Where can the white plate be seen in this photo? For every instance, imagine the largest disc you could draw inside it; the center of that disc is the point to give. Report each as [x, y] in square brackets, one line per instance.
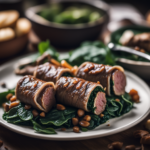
[137, 114]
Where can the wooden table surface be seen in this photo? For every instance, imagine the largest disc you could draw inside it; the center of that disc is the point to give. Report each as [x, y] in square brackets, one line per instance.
[14, 141]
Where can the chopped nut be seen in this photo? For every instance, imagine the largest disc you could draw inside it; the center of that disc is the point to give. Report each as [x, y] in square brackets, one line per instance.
[145, 139]
[42, 114]
[87, 118]
[13, 98]
[142, 50]
[101, 115]
[140, 133]
[136, 98]
[84, 123]
[133, 92]
[130, 147]
[137, 48]
[6, 107]
[115, 146]
[1, 143]
[27, 107]
[108, 125]
[75, 121]
[9, 96]
[98, 82]
[147, 124]
[14, 104]
[76, 129]
[80, 112]
[117, 100]
[35, 113]
[63, 129]
[60, 107]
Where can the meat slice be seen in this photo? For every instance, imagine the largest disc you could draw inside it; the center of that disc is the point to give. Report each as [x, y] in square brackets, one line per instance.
[50, 72]
[119, 82]
[28, 70]
[76, 92]
[102, 73]
[100, 103]
[38, 93]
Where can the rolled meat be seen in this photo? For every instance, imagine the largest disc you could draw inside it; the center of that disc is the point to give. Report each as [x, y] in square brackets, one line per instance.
[111, 77]
[38, 93]
[50, 72]
[82, 94]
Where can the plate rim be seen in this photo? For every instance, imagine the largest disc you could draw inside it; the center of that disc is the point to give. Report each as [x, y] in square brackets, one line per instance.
[80, 137]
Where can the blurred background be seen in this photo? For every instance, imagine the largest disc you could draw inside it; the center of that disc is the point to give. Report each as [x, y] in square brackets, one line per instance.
[66, 24]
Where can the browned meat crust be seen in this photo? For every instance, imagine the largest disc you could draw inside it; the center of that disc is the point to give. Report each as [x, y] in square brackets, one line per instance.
[74, 91]
[142, 40]
[50, 72]
[97, 72]
[30, 90]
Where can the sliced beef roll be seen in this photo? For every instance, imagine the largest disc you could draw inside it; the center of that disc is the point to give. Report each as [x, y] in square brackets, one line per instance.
[38, 93]
[79, 93]
[111, 77]
[50, 72]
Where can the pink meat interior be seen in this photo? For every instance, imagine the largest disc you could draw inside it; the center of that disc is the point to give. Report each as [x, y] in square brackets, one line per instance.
[119, 80]
[48, 98]
[100, 103]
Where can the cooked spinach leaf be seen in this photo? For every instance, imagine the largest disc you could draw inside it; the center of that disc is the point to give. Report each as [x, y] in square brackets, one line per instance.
[41, 129]
[57, 117]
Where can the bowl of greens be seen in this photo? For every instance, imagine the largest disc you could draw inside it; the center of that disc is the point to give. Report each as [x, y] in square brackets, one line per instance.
[136, 37]
[68, 23]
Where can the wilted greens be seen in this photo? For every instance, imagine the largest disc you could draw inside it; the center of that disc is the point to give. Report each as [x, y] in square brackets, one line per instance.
[115, 36]
[57, 119]
[95, 52]
[71, 14]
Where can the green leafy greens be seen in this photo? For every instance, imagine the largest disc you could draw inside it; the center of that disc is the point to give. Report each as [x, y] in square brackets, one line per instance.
[57, 119]
[88, 51]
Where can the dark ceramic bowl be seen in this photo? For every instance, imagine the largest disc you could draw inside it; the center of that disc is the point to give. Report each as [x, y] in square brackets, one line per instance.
[63, 35]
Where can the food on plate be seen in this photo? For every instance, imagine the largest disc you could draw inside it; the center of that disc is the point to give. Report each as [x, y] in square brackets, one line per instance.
[134, 95]
[28, 70]
[39, 94]
[50, 72]
[76, 92]
[8, 18]
[111, 77]
[135, 37]
[75, 14]
[81, 105]
[126, 37]
[23, 26]
[65, 116]
[6, 34]
[141, 40]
